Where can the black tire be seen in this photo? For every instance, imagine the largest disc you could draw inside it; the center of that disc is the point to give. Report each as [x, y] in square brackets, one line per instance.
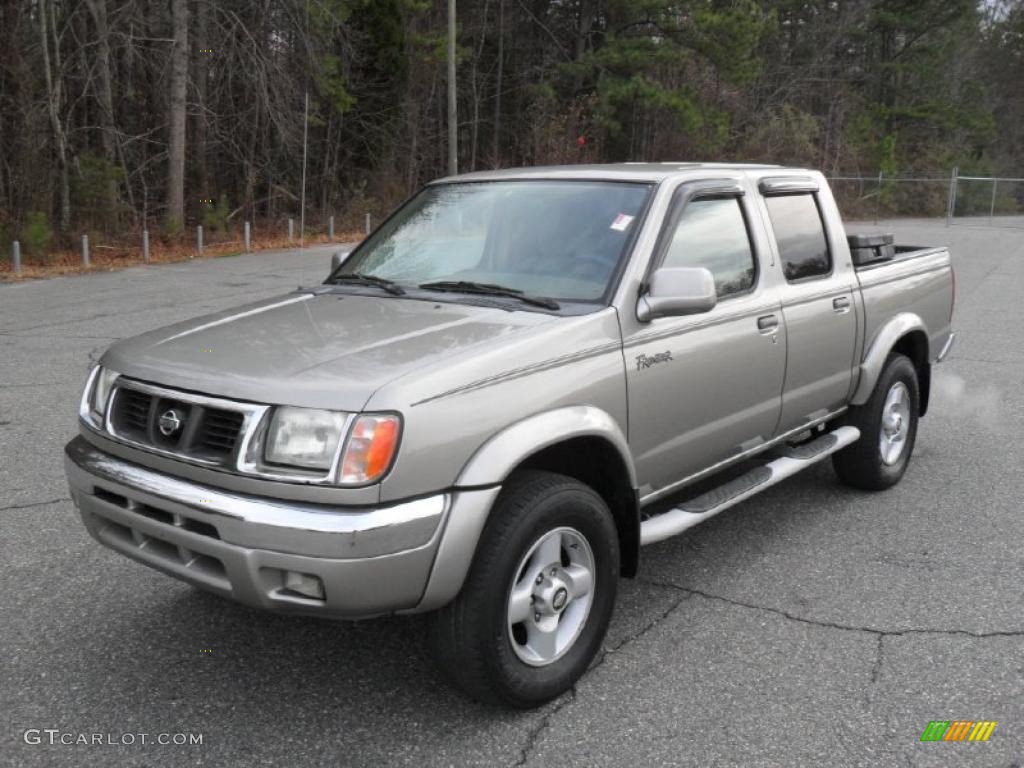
[862, 465]
[470, 637]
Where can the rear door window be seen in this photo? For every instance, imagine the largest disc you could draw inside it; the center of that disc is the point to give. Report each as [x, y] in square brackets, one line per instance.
[800, 234]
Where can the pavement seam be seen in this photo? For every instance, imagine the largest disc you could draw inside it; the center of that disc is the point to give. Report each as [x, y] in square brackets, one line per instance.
[34, 504]
[836, 625]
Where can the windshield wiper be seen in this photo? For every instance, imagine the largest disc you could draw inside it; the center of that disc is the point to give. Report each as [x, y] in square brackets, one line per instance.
[388, 285]
[489, 289]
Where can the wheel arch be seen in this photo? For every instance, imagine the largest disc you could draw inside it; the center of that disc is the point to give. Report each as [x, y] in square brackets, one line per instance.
[906, 334]
[583, 442]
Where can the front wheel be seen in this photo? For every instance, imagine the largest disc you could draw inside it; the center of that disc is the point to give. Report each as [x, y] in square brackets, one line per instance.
[888, 429]
[538, 597]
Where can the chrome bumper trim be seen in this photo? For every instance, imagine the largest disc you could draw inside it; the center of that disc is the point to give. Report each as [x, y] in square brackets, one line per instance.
[316, 530]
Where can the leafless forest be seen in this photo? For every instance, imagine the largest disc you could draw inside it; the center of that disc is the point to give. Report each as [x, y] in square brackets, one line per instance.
[171, 113]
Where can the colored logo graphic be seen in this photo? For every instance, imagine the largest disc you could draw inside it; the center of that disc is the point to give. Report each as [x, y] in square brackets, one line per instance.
[958, 730]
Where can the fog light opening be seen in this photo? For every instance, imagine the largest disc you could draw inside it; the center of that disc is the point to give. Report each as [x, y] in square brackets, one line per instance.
[305, 584]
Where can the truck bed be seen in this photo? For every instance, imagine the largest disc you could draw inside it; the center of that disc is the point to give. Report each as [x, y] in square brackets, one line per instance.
[915, 280]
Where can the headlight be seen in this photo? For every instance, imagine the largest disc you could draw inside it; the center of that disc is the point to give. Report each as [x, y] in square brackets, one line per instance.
[96, 396]
[304, 437]
[312, 439]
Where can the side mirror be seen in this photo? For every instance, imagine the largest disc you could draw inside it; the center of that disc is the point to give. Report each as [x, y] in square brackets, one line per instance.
[338, 258]
[677, 291]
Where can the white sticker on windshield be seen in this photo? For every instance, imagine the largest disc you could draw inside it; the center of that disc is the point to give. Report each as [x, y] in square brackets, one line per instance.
[621, 222]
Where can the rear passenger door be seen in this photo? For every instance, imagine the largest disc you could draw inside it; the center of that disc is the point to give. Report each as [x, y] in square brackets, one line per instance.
[817, 302]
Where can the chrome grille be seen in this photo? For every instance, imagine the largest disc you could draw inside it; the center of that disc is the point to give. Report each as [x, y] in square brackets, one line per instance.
[206, 430]
[133, 411]
[220, 429]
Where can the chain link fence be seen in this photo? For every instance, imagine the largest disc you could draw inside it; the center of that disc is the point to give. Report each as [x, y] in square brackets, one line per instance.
[960, 200]
[988, 201]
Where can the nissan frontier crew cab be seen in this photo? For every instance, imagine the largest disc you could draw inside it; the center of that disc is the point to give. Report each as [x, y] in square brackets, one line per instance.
[492, 403]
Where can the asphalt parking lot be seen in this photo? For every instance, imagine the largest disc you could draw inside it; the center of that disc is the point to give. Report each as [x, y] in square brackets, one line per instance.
[812, 625]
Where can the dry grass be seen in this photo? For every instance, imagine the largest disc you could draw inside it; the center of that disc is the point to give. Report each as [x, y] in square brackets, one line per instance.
[105, 258]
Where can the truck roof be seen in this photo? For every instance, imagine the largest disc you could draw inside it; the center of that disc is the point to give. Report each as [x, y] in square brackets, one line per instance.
[646, 172]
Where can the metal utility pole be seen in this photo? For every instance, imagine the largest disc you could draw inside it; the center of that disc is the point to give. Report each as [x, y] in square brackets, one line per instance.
[453, 125]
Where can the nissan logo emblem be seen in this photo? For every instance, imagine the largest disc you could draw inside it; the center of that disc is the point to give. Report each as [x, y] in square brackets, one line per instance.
[169, 422]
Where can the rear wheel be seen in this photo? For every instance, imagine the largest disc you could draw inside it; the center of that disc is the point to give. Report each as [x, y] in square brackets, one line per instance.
[538, 597]
[888, 429]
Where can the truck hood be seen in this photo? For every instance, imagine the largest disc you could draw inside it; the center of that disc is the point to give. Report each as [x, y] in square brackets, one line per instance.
[314, 349]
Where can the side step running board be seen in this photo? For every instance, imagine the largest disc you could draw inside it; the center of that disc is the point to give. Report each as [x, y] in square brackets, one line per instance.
[716, 500]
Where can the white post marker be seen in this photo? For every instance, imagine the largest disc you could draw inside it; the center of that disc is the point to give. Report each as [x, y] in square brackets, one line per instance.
[291, 230]
[16, 256]
[248, 237]
[367, 223]
[85, 251]
[145, 246]
[992, 207]
[199, 240]
[330, 228]
[878, 196]
[951, 202]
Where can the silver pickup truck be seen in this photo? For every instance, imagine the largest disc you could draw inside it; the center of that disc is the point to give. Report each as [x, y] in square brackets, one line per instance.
[501, 395]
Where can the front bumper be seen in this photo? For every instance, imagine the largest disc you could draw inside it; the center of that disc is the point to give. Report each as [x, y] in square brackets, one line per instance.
[256, 550]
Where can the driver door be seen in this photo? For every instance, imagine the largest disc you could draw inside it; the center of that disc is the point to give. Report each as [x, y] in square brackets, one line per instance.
[705, 387]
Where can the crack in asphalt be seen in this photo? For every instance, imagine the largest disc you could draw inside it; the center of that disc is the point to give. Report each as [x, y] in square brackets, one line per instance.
[34, 504]
[638, 634]
[534, 734]
[545, 722]
[837, 625]
[876, 668]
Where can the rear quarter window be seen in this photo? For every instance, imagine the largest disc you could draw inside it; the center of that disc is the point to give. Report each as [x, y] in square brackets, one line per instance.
[800, 234]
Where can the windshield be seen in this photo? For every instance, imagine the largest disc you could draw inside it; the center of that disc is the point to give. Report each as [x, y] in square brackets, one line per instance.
[558, 239]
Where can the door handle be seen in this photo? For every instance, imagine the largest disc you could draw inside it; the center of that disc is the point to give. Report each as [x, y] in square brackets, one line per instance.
[842, 304]
[768, 323]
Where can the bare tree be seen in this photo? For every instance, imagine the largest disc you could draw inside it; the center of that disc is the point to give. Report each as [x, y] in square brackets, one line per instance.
[175, 216]
[54, 98]
[499, 84]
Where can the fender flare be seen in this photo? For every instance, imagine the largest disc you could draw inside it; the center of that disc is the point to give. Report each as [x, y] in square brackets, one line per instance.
[479, 483]
[878, 352]
[496, 458]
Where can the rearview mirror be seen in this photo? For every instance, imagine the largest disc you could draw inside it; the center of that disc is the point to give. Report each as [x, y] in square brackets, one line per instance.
[677, 291]
[338, 258]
